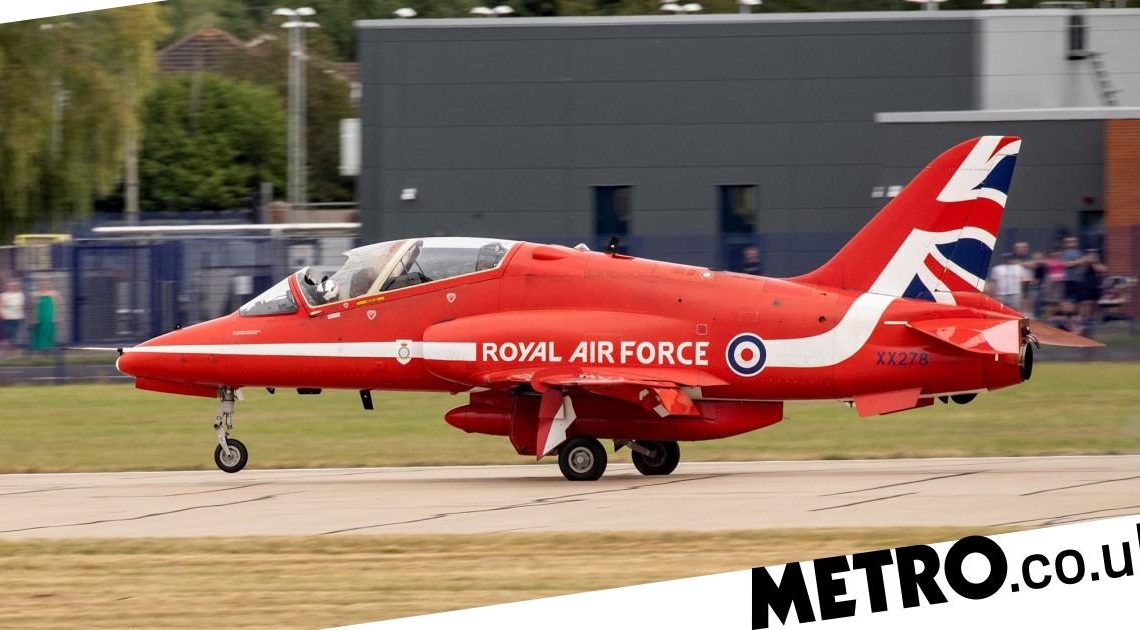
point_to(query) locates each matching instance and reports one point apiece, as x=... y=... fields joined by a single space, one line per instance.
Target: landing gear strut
x=582 y=459
x=230 y=454
x=656 y=458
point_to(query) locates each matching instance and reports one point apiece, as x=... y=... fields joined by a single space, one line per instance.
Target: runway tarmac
x=1011 y=492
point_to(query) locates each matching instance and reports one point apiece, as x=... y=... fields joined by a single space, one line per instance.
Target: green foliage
x=209 y=142
x=71 y=89
x=244 y=19
x=329 y=101
x=67 y=104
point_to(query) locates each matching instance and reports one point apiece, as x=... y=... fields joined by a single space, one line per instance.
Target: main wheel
x=582 y=459
x=233 y=460
x=662 y=460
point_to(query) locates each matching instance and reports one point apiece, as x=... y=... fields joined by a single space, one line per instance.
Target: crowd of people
x=1064 y=286
x=28 y=319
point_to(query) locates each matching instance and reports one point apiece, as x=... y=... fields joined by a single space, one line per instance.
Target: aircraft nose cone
x=158 y=358
x=132 y=363
x=143 y=362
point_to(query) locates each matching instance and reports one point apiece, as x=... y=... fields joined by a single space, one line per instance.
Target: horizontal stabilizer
x=974 y=334
x=1052 y=336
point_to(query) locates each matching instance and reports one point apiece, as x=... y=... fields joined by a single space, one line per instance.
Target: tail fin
x=937 y=236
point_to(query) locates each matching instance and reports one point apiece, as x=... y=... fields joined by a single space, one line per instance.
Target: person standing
x=1092 y=277
x=1037 y=285
x=1007 y=282
x=1073 y=259
x=12 y=313
x=1021 y=256
x=750 y=261
x=1054 y=278
x=44 y=304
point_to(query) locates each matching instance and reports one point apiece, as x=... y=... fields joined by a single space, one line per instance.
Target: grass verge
x=307 y=582
x=1066 y=409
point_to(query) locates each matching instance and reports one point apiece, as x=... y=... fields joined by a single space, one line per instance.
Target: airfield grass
x=313 y=582
x=1067 y=408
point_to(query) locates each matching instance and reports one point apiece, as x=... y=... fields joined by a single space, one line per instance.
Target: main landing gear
x=584 y=458
x=230 y=454
x=655 y=458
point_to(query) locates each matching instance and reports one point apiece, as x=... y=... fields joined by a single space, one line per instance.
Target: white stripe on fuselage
x=440 y=350
x=834 y=346
x=822 y=350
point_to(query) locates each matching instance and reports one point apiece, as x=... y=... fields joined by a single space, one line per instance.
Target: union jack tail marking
x=938 y=235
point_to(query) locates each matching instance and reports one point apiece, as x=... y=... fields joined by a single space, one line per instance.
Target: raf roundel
x=745 y=354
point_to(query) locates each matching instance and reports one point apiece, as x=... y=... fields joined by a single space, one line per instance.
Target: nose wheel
x=230 y=454
x=234 y=458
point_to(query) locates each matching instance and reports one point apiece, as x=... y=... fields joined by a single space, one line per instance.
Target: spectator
x=12 y=313
x=1007 y=282
x=1021 y=252
x=1023 y=257
x=44 y=303
x=1054 y=277
x=1035 y=294
x=1091 y=278
x=1067 y=318
x=1072 y=258
x=750 y=261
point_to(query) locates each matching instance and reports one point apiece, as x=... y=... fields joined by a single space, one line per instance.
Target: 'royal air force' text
x=600 y=352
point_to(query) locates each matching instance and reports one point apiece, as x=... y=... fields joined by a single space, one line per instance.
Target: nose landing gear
x=230 y=455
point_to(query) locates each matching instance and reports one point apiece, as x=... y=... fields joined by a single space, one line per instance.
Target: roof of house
x=201 y=50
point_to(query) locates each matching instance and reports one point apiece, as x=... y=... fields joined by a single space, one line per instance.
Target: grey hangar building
x=691 y=137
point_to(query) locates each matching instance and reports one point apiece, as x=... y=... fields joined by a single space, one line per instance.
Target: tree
x=209 y=142
x=329 y=101
x=66 y=108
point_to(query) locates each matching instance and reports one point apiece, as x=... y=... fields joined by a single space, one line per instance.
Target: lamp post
x=298 y=162
x=677 y=8
x=928 y=5
x=492 y=12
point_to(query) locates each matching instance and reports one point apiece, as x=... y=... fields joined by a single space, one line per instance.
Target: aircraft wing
x=660 y=390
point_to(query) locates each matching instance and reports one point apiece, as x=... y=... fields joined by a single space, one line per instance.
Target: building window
x=613 y=209
x=737 y=209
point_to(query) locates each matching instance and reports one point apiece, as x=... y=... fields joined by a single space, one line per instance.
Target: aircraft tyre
x=582 y=459
x=233 y=460
x=663 y=460
x=964 y=399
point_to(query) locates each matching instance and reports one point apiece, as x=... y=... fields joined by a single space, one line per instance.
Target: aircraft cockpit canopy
x=398 y=264
x=383 y=267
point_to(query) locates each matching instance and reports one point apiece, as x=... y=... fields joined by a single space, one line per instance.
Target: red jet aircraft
x=559 y=347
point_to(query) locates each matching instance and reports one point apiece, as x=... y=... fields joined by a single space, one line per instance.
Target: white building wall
x=1024 y=58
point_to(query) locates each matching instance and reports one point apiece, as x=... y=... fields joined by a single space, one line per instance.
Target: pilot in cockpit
x=408 y=271
x=398 y=264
